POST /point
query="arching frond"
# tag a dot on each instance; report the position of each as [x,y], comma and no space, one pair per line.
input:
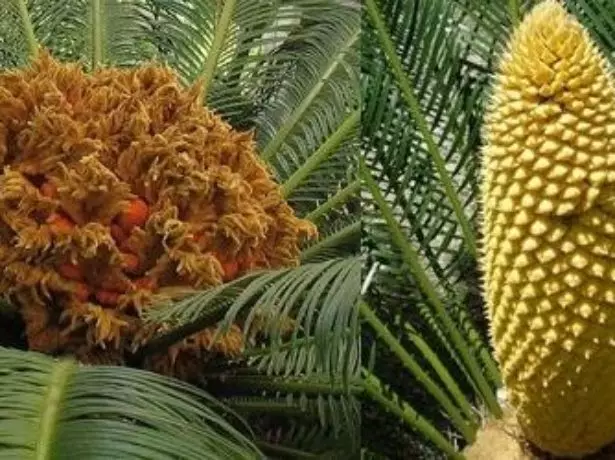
[304,413]
[320,298]
[13,43]
[58,409]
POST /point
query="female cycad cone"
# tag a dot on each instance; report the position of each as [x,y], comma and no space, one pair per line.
[117,189]
[549,232]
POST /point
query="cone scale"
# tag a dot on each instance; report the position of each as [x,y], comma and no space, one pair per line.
[549,232]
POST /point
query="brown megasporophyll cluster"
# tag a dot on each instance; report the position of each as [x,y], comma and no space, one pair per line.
[117,187]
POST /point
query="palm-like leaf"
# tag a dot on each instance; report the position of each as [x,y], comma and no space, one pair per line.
[318,364]
[320,297]
[49,408]
[418,123]
[12,46]
[419,94]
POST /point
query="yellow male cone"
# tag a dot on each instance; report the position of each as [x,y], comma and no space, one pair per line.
[549,232]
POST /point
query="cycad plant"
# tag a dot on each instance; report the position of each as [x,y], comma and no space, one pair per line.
[457,96]
[179,196]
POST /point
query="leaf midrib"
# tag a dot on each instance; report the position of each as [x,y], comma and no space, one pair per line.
[274,144]
[51,408]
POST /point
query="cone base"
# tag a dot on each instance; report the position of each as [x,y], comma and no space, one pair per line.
[503,440]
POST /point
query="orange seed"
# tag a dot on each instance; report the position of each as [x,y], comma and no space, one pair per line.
[70,271]
[135,215]
[107,297]
[48,189]
[60,224]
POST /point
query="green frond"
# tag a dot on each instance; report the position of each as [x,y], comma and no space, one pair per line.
[307,413]
[341,197]
[14,42]
[307,425]
[391,401]
[418,114]
[464,423]
[411,258]
[300,357]
[64,28]
[325,169]
[26,24]
[420,138]
[57,409]
[326,78]
[319,297]
[307,131]
[394,144]
[338,238]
